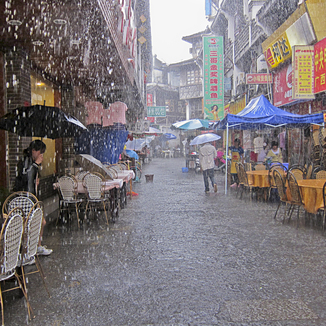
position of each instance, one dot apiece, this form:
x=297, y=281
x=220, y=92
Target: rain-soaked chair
x=68, y=195
x=309, y=171
x=259, y=167
x=296, y=199
x=80, y=175
x=321, y=174
x=23, y=199
x=93, y=184
x=245, y=184
x=10, y=240
x=31, y=234
x=279, y=182
x=272, y=186
x=298, y=171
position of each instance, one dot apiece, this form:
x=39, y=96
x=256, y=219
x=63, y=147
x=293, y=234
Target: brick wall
x=18, y=86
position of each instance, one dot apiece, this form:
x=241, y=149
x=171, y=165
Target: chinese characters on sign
x=156, y=111
x=320, y=66
x=278, y=51
x=213, y=78
x=282, y=86
x=303, y=87
x=259, y=79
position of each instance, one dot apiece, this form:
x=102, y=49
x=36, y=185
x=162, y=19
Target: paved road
x=177, y=256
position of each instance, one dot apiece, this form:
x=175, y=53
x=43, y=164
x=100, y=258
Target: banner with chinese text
x=213, y=77
x=303, y=72
x=320, y=66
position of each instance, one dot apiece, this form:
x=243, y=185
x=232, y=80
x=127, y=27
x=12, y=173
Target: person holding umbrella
x=207, y=155
x=27, y=179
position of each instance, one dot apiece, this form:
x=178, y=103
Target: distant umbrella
x=169, y=136
x=192, y=124
x=132, y=154
x=204, y=138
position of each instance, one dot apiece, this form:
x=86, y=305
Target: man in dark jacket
x=28, y=180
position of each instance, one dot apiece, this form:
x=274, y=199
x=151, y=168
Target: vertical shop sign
x=303, y=73
x=282, y=86
x=320, y=66
x=213, y=77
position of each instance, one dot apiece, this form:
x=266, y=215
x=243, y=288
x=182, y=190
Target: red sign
x=320, y=66
x=149, y=99
x=255, y=79
x=282, y=86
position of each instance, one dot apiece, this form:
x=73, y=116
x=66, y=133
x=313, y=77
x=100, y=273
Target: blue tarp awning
x=260, y=113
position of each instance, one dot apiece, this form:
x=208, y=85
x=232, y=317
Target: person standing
x=207, y=155
x=28, y=179
x=236, y=157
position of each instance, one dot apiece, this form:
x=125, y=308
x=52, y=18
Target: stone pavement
x=177, y=256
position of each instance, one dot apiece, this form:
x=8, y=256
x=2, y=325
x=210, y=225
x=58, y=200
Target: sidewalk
x=177, y=256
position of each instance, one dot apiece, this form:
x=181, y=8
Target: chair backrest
x=324, y=195
x=23, y=199
x=279, y=167
x=11, y=236
x=242, y=175
x=279, y=182
x=294, y=188
x=321, y=174
x=315, y=171
x=298, y=173
x=68, y=187
x=32, y=229
x=93, y=185
x=80, y=175
x=260, y=167
x=114, y=171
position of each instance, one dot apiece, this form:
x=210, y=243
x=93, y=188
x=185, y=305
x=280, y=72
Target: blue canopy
x=260, y=113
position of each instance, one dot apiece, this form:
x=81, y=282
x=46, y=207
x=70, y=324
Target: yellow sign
x=278, y=51
x=325, y=117
x=303, y=74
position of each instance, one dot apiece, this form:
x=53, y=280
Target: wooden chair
x=10, y=239
x=316, y=169
x=321, y=174
x=280, y=185
x=31, y=234
x=272, y=186
x=68, y=195
x=243, y=180
x=296, y=199
x=298, y=172
x=95, y=192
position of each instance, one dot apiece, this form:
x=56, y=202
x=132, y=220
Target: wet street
x=178, y=256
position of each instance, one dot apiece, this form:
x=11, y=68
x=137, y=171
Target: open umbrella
x=91, y=164
x=204, y=138
x=192, y=124
x=132, y=154
x=41, y=121
x=169, y=136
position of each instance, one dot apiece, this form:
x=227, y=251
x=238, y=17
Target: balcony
x=191, y=91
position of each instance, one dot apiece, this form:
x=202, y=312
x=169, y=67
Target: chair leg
x=277, y=210
x=77, y=214
x=40, y=270
x=24, y=290
x=106, y=215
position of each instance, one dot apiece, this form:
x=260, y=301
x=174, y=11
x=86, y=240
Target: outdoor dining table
x=258, y=178
x=312, y=194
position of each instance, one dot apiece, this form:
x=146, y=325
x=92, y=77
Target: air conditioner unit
x=241, y=78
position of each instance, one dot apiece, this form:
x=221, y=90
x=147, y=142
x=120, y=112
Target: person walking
x=28, y=179
x=207, y=155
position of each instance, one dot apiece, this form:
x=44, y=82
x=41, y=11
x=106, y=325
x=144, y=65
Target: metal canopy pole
x=226, y=157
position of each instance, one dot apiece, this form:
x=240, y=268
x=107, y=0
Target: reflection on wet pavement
x=176, y=256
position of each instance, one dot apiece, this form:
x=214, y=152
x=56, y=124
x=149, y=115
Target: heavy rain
x=162, y=163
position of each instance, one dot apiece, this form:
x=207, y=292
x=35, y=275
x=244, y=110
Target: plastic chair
x=68, y=194
x=94, y=190
x=10, y=239
x=31, y=234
